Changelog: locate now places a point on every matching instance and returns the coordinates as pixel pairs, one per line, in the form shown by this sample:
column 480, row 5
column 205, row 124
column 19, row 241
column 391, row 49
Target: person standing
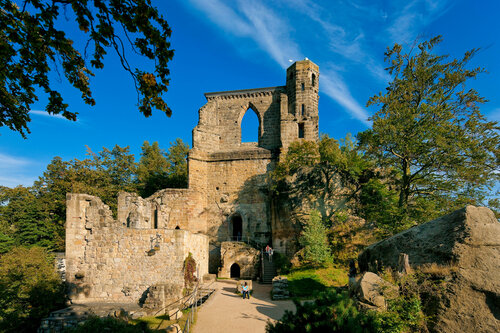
column 271, row 251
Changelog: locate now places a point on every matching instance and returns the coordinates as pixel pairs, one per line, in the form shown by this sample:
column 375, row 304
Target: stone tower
column 299, row 119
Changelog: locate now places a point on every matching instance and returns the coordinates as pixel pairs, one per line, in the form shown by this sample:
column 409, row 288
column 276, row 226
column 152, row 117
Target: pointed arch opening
column 235, row 271
column 250, row 126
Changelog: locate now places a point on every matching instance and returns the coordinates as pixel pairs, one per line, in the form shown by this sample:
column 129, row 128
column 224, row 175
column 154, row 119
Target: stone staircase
column 269, row 271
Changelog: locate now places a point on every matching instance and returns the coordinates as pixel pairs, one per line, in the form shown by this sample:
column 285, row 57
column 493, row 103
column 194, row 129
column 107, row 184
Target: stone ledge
column 244, row 93
column 238, row 153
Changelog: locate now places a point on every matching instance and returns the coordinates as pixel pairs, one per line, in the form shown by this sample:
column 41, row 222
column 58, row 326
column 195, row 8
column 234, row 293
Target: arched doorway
column 236, row 228
column 235, row 271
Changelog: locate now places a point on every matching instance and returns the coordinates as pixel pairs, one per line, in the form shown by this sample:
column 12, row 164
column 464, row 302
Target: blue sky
column 240, row 44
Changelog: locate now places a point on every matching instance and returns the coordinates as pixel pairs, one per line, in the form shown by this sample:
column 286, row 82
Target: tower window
column 302, row 86
column 301, row 130
column 313, row 80
column 303, row 110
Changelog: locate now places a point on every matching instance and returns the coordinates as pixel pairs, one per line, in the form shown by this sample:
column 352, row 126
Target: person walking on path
column 245, row 291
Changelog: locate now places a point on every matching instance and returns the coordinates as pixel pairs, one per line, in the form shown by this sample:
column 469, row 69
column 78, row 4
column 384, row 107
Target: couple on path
column 269, row 252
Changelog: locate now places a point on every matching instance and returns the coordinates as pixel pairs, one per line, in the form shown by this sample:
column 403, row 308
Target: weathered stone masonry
column 107, row 261
column 227, row 198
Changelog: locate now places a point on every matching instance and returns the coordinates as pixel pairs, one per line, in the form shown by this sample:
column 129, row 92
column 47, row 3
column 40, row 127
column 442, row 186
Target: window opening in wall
column 235, row 271
column 313, row 80
column 302, row 86
column 250, row 127
column 301, row 130
column 177, row 228
column 303, row 110
column 237, row 228
column 128, row 221
column 155, row 218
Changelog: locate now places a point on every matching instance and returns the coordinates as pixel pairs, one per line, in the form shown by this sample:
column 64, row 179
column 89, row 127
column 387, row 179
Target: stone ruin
column 227, row 199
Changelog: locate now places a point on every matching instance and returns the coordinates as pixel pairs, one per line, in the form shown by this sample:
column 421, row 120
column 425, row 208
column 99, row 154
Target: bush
column 314, row 240
column 282, row 263
column 30, row 289
column 98, row 325
column 331, row 312
column 189, row 271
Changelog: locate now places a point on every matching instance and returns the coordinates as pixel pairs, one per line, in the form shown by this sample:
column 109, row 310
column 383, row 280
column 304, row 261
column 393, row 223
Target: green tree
column 429, row 129
column 314, row 240
column 158, row 170
column 26, row 221
column 152, row 171
column 177, row 158
column 30, row 289
column 322, row 175
column 31, row 43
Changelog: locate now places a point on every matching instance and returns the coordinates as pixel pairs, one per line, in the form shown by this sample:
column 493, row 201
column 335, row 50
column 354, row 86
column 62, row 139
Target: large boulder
column 468, row 240
column 372, row 290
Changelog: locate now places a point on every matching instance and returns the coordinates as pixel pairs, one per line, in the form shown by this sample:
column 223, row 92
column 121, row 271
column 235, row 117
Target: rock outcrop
column 469, row 240
column 372, row 291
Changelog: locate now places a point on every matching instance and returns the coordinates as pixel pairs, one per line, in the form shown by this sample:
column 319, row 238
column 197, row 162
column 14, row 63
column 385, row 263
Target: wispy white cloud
column 338, row 36
column 255, row 21
column 335, row 88
column 46, row 114
column 408, row 22
column 12, row 170
column 16, row 180
column 8, row 161
column 260, row 23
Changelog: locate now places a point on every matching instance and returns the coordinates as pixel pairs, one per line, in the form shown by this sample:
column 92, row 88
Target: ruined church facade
column 227, row 198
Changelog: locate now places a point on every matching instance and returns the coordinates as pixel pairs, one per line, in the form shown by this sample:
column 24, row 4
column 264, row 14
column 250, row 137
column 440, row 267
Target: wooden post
column 404, row 264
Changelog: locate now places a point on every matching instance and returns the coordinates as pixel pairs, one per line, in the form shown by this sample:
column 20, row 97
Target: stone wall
column 108, row 261
column 241, row 254
column 165, row 209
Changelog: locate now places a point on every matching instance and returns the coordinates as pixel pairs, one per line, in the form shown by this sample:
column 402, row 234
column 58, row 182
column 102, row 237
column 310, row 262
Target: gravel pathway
column 227, row 312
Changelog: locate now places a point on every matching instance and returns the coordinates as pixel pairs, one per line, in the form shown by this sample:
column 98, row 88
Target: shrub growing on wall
column 189, row 271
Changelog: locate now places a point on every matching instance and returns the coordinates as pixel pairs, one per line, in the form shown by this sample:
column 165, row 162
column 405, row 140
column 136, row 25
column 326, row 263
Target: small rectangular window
column 301, row 130
column 303, row 87
column 303, row 111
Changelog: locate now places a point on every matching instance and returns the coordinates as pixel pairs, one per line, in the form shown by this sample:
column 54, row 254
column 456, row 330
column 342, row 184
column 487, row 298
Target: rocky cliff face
column 468, row 239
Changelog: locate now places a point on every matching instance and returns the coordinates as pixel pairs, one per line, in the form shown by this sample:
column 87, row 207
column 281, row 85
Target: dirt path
column 226, row 311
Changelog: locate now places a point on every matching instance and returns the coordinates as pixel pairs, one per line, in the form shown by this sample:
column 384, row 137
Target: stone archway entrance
column 236, row 228
column 235, row 271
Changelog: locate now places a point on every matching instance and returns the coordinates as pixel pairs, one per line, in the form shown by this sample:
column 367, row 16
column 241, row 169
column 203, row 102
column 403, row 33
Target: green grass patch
column 308, row 282
column 160, row 323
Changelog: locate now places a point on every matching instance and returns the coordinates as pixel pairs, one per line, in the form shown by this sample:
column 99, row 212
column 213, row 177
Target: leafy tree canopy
column 158, row 169
column 30, row 289
column 430, row 130
column 323, row 175
column 31, row 45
